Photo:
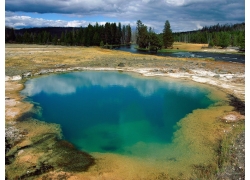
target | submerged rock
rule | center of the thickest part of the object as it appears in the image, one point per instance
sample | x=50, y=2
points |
x=40, y=152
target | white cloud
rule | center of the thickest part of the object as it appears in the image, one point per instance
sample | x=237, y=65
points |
x=22, y=21
x=199, y=26
x=175, y=2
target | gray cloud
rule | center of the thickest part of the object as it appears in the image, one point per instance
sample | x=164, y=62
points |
x=183, y=15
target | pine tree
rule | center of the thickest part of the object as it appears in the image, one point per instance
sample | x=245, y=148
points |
x=141, y=35
x=128, y=34
x=168, y=39
x=55, y=40
x=119, y=33
x=154, y=41
x=242, y=40
x=107, y=33
x=123, y=34
x=225, y=39
x=96, y=39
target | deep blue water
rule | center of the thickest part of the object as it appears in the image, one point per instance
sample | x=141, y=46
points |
x=216, y=56
x=112, y=111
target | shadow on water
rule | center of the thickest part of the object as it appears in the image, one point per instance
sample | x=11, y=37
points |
x=216, y=56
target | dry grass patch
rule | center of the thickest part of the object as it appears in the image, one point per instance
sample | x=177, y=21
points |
x=188, y=46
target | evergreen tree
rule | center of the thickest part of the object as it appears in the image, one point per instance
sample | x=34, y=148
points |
x=81, y=36
x=123, y=34
x=119, y=33
x=26, y=37
x=107, y=30
x=225, y=39
x=96, y=39
x=113, y=33
x=234, y=39
x=101, y=44
x=9, y=34
x=168, y=39
x=54, y=40
x=154, y=41
x=141, y=35
x=69, y=38
x=128, y=34
x=242, y=40
x=62, y=39
x=216, y=39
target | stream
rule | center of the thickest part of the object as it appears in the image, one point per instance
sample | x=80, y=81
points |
x=216, y=56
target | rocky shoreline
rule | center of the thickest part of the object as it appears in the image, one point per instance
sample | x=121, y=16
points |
x=22, y=140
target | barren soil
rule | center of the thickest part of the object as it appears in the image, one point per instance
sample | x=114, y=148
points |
x=26, y=156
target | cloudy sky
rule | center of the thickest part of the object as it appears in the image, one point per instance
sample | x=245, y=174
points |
x=183, y=15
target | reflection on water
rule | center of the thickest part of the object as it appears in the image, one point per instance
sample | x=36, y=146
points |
x=115, y=112
x=68, y=84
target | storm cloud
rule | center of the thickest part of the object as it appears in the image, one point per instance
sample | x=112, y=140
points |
x=183, y=15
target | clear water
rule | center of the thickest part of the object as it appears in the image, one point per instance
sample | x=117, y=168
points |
x=113, y=111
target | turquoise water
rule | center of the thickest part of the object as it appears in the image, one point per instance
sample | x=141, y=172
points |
x=113, y=111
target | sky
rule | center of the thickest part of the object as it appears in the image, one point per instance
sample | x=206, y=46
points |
x=183, y=15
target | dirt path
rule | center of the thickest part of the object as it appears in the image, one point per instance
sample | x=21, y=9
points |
x=25, y=61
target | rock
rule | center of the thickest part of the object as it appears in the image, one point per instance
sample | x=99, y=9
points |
x=171, y=71
x=7, y=78
x=28, y=74
x=121, y=64
x=16, y=78
x=60, y=65
x=20, y=152
x=233, y=117
x=216, y=76
x=223, y=72
x=44, y=71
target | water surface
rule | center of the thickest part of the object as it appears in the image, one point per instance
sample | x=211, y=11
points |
x=115, y=112
x=216, y=56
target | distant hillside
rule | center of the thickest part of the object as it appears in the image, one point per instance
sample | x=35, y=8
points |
x=12, y=34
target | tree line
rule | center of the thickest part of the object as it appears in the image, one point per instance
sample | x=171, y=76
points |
x=113, y=34
x=92, y=35
x=216, y=35
x=108, y=35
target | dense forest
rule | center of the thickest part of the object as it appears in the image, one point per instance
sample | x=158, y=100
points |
x=113, y=34
x=108, y=35
x=217, y=35
x=97, y=35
